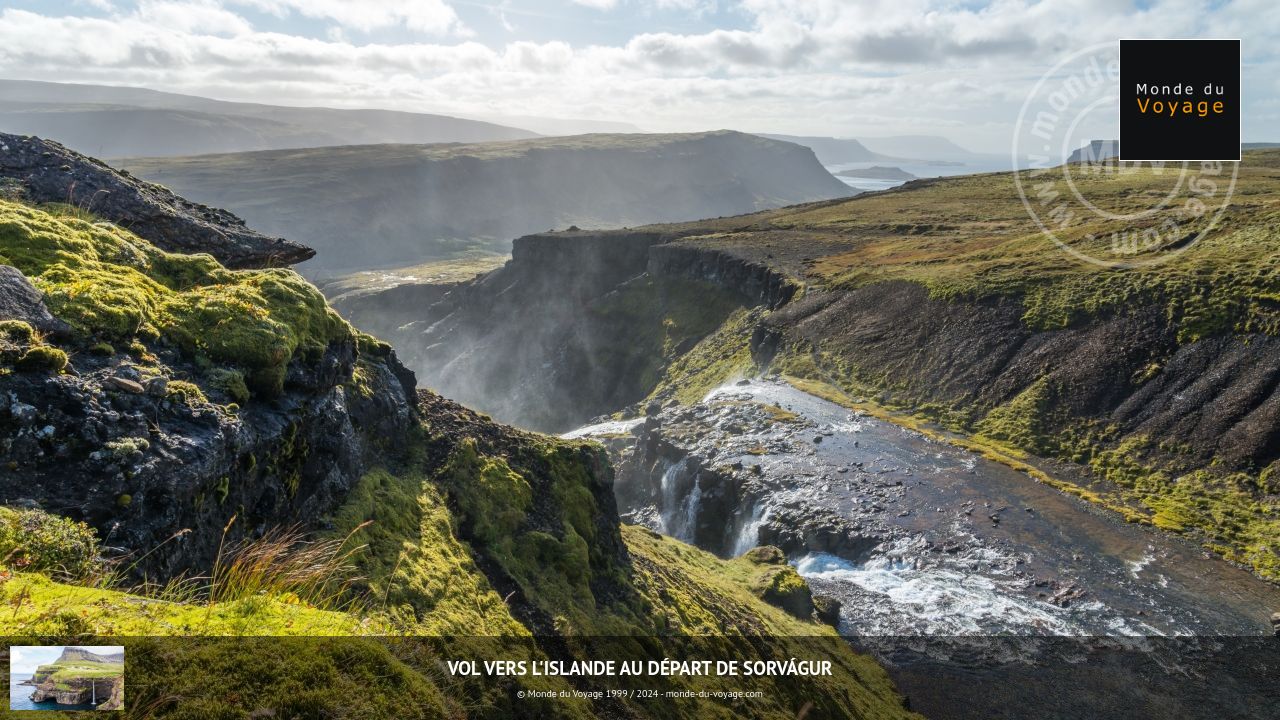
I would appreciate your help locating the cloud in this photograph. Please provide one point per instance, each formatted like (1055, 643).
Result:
(192, 16)
(597, 4)
(426, 16)
(801, 66)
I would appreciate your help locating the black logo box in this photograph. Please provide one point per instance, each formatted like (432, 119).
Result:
(1180, 65)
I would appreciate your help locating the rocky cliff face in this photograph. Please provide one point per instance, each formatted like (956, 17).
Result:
(1210, 398)
(81, 691)
(577, 324)
(383, 206)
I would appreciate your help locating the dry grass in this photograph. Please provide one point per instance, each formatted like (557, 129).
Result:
(284, 563)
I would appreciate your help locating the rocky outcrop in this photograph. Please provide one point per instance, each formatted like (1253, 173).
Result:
(118, 450)
(80, 691)
(758, 282)
(155, 424)
(42, 171)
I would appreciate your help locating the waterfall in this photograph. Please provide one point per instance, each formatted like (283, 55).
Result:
(749, 534)
(670, 492)
(689, 526)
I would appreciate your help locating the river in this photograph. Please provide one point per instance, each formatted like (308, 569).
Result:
(941, 555)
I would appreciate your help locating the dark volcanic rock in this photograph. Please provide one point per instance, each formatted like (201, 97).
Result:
(141, 467)
(20, 300)
(48, 172)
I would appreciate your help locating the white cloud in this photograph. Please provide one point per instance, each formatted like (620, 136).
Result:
(426, 16)
(801, 66)
(192, 16)
(597, 4)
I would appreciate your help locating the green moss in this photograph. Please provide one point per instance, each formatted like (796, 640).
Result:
(18, 331)
(111, 285)
(37, 541)
(414, 565)
(783, 587)
(719, 357)
(230, 382)
(128, 447)
(42, 358)
(102, 349)
(490, 496)
(185, 392)
(38, 606)
(1023, 420)
(370, 345)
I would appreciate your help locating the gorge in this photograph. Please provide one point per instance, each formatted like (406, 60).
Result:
(1072, 454)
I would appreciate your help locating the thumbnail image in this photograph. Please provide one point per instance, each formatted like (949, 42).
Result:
(66, 677)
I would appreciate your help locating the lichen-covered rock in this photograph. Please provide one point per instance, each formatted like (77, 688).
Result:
(46, 172)
(198, 393)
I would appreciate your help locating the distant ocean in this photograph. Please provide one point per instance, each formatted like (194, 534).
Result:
(20, 697)
(976, 164)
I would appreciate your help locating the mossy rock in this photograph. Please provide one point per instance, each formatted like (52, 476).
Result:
(184, 391)
(17, 331)
(784, 588)
(42, 358)
(230, 382)
(47, 543)
(766, 555)
(112, 286)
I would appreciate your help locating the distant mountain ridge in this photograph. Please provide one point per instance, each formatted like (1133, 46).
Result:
(831, 150)
(107, 121)
(79, 654)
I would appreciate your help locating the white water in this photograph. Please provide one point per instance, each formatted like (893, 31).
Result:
(749, 535)
(936, 601)
(670, 501)
(612, 427)
(689, 518)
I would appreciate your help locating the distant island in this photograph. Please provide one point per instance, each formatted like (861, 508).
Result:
(81, 677)
(878, 172)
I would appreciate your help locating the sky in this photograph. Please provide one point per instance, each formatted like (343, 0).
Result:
(23, 660)
(839, 68)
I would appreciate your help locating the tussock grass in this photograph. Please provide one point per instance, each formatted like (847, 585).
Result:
(285, 563)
